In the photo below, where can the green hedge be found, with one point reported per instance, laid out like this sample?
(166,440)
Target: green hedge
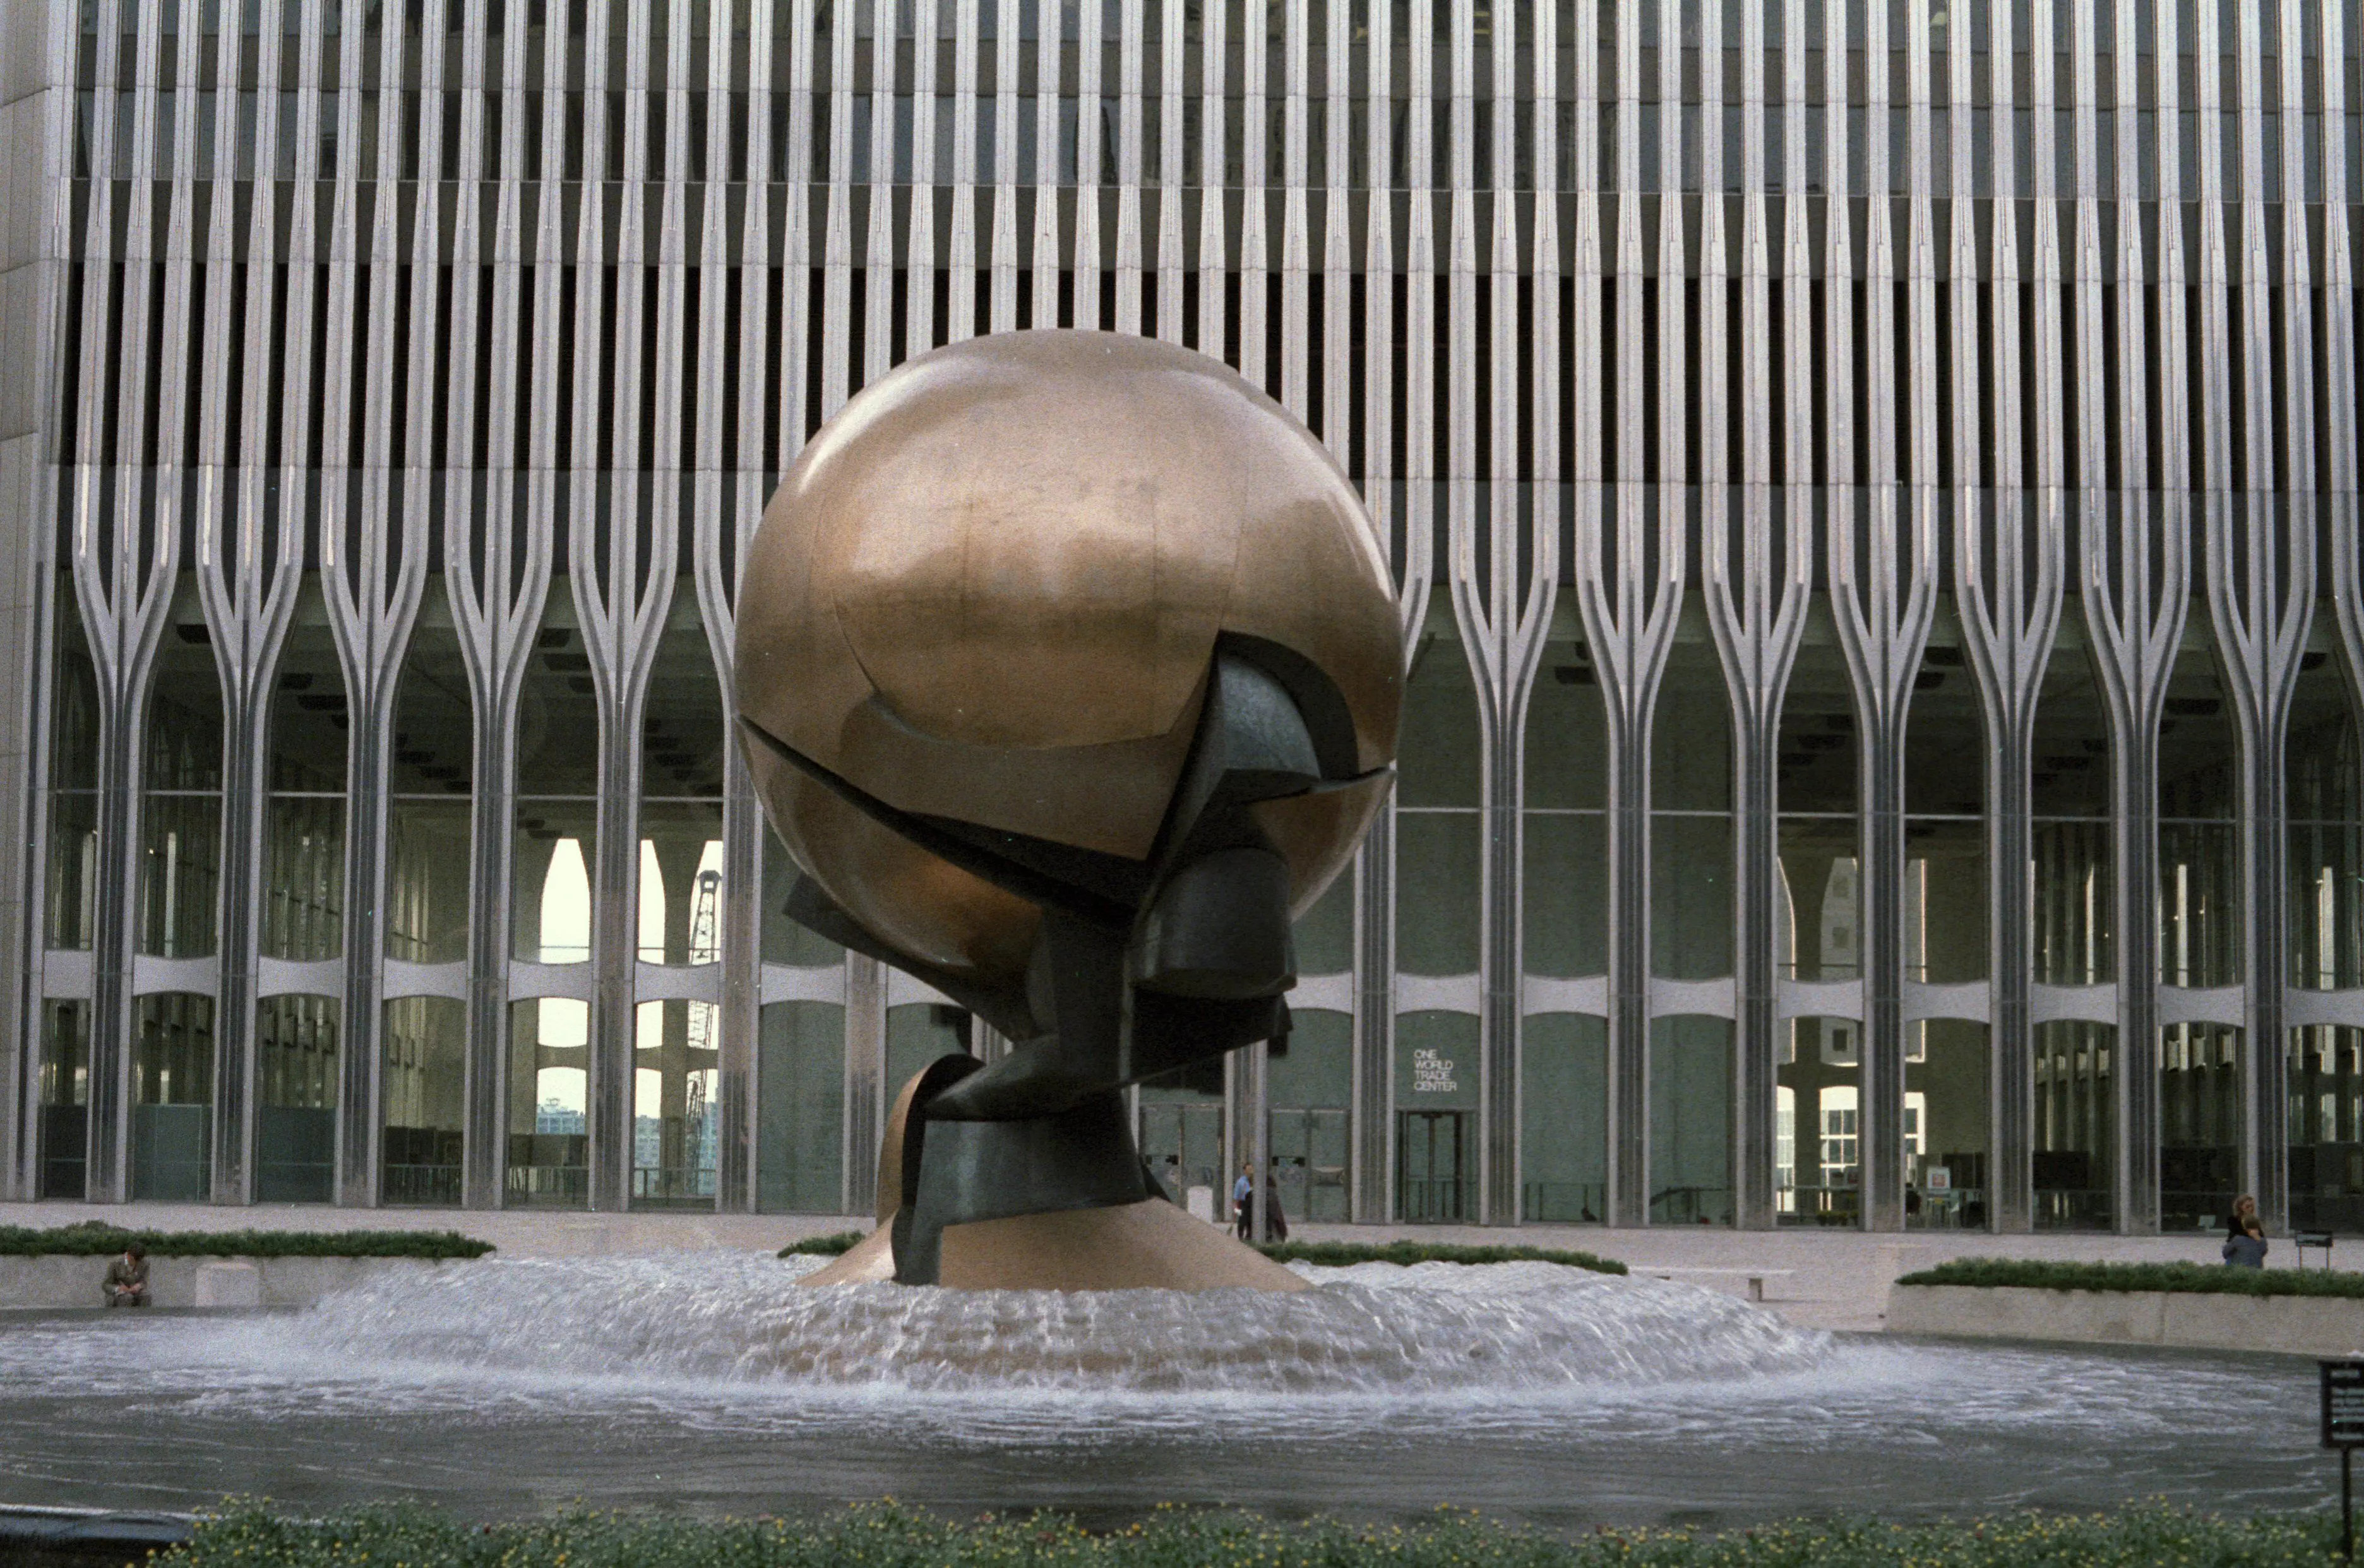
(1326,1254)
(888,1536)
(2211,1279)
(97,1238)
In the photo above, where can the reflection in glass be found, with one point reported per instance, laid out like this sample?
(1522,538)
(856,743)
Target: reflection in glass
(1947,1094)
(919,1033)
(2199,826)
(296,1113)
(433,765)
(1818,1075)
(1947,1134)
(65,1092)
(1436,1119)
(71,901)
(304,816)
(549,1146)
(180,820)
(2326,1128)
(172,1097)
(2326,801)
(1308,1089)
(1567,878)
(677,1120)
(2200,929)
(784,941)
(557,793)
(1437,846)
(1818,780)
(2199,1109)
(2075,1104)
(2076,1126)
(426,1069)
(1690,809)
(1691,1120)
(800,1108)
(2069,781)
(1324,935)
(1564,1119)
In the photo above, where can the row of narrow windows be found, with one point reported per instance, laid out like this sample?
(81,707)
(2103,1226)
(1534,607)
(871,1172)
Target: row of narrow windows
(924,138)
(574,329)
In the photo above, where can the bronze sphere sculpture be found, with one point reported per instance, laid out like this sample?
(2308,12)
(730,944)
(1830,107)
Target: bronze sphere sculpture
(1068,671)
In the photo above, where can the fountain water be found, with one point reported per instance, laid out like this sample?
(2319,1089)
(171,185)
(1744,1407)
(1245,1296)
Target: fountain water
(703,1383)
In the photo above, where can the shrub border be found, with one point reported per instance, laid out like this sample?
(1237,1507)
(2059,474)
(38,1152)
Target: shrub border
(249,1535)
(96,1237)
(2175,1278)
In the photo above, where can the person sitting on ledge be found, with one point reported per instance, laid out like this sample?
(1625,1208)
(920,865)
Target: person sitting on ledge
(126,1278)
(2245,1238)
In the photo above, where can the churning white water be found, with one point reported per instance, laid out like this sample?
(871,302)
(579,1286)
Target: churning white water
(711,1382)
(1375,1329)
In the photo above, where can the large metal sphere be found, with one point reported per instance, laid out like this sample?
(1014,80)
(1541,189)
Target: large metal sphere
(990,590)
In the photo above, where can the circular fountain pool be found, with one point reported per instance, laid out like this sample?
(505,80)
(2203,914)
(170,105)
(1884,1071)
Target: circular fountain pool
(707,1383)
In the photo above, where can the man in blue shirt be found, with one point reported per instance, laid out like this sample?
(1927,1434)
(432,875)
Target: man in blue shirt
(1241,1190)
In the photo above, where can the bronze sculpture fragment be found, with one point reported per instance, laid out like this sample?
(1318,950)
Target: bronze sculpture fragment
(1068,671)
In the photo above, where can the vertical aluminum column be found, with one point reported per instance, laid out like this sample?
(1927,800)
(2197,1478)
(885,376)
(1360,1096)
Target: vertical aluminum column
(1884,588)
(1371,1116)
(246,572)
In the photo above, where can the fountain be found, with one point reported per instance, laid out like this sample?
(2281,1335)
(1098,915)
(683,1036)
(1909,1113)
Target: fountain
(1069,672)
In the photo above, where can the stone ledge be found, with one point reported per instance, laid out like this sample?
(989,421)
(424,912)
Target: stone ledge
(55,1279)
(2296,1324)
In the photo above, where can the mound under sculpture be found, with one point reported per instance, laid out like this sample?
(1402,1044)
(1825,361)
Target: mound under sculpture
(1068,671)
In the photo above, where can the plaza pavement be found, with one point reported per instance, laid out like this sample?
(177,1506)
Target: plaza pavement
(1835,1279)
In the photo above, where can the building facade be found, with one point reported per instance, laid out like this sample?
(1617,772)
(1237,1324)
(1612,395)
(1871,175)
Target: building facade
(1872,486)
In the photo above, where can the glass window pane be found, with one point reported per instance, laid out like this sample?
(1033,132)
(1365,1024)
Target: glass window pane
(1308,1089)
(422,1099)
(2069,775)
(800,1108)
(1946,1130)
(434,727)
(2200,1110)
(296,1069)
(1436,1119)
(550,1149)
(2326,1128)
(71,901)
(2076,1126)
(64,1092)
(558,714)
(2326,825)
(550,912)
(681,732)
(677,1120)
(1564,1119)
(2199,893)
(1690,802)
(180,826)
(919,1033)
(1819,1069)
(172,1097)
(1691,1121)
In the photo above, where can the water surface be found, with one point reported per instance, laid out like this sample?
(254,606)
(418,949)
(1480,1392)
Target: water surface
(708,1382)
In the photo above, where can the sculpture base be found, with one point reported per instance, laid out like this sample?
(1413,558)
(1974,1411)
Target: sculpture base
(1150,1245)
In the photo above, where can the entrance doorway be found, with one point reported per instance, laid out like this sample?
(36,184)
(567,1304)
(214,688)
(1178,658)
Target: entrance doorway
(1434,1152)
